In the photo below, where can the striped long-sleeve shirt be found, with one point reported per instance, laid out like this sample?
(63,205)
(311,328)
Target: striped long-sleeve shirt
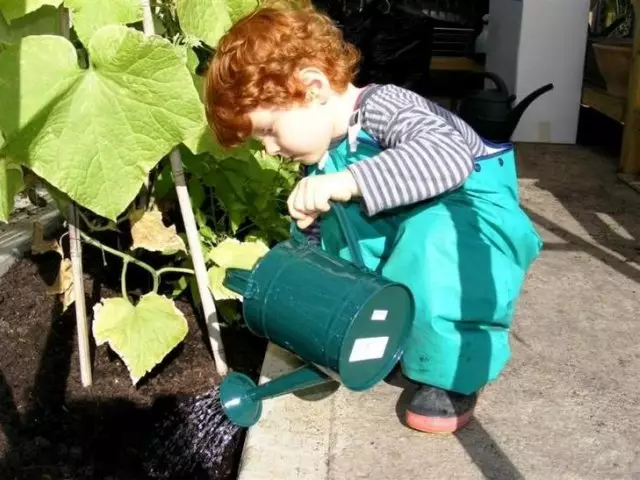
(426,149)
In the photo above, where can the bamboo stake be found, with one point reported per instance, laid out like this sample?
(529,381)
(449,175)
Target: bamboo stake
(193,237)
(147,17)
(82,325)
(202,278)
(75,252)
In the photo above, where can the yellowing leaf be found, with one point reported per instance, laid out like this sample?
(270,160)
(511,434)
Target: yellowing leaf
(68,296)
(148,232)
(220,292)
(232,253)
(40,245)
(142,335)
(63,285)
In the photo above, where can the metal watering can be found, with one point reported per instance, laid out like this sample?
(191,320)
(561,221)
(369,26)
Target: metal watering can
(492,114)
(347,322)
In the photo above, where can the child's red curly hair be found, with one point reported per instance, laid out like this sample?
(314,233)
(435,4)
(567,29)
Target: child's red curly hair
(257,61)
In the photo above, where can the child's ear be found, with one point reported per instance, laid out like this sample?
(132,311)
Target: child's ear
(317,83)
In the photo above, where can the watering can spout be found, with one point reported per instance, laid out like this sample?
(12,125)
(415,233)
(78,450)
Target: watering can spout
(241,398)
(517,112)
(237,280)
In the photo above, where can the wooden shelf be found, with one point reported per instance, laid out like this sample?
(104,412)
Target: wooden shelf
(455,64)
(605,103)
(630,161)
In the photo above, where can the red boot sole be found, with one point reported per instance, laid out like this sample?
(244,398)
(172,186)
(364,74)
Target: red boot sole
(437,424)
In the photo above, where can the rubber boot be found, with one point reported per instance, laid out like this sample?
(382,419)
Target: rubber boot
(434,410)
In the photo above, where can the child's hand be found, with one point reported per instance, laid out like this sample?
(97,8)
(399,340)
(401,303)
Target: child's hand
(311,196)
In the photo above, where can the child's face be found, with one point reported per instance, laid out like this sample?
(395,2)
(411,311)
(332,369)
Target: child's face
(301,133)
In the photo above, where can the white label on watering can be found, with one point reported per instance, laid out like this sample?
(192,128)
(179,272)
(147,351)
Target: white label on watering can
(379,315)
(368,349)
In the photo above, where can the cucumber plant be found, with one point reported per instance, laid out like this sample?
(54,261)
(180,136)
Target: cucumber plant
(94,117)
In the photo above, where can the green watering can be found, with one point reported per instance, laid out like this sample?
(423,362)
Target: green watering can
(348,323)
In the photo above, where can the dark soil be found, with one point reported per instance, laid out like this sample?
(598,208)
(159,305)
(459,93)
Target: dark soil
(51,427)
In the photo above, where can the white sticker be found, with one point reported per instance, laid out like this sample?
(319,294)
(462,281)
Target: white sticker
(379,315)
(368,349)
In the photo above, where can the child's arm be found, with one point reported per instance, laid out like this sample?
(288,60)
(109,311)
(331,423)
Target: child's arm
(428,151)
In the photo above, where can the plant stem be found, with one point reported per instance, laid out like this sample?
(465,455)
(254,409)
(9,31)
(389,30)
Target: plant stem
(176,270)
(125,257)
(123,280)
(95,227)
(213,210)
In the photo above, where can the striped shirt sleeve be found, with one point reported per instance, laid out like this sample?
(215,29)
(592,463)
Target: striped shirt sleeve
(427,150)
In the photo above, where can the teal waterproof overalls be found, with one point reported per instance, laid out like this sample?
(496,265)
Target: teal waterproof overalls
(464,255)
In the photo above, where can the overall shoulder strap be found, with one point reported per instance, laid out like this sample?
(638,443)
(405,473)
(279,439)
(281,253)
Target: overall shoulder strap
(355,121)
(362,98)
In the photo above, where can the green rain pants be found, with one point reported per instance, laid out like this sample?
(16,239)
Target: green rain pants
(464,255)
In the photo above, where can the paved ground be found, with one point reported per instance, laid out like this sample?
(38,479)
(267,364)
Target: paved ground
(568,404)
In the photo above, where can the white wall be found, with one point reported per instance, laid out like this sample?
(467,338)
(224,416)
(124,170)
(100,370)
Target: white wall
(503,40)
(550,46)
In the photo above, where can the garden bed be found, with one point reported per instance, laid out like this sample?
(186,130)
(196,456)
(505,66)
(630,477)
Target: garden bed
(53,428)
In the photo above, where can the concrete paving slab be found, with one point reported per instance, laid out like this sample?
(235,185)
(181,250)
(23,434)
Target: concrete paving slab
(304,422)
(568,403)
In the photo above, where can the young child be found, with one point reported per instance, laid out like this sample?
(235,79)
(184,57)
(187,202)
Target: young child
(435,207)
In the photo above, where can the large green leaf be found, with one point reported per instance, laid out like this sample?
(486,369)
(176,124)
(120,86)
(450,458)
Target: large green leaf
(95,134)
(44,21)
(141,335)
(208,20)
(11,182)
(204,19)
(34,73)
(203,139)
(90,15)
(13,9)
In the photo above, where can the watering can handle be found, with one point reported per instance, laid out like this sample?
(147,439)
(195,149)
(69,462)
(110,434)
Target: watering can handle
(352,241)
(349,235)
(497,80)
